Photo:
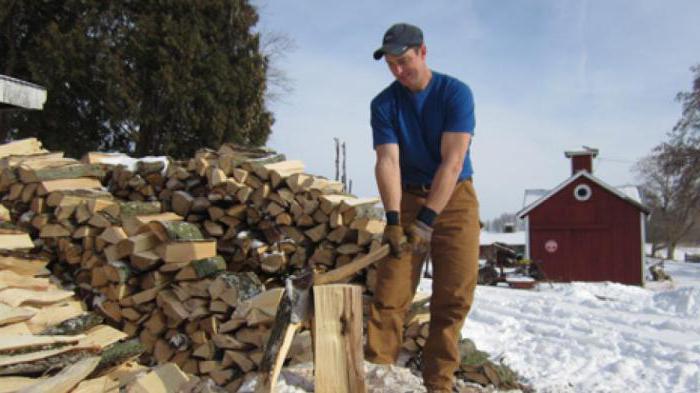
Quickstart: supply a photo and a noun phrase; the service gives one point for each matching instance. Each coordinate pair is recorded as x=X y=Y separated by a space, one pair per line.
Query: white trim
x=641 y=223
x=583 y=198
x=573 y=178
x=576 y=153
x=527 y=237
x=21 y=94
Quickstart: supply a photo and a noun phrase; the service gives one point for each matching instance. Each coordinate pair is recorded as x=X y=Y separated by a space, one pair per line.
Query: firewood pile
x=186 y=257
x=45 y=330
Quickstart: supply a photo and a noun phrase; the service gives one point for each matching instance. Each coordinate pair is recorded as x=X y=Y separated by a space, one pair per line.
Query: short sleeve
x=382 y=128
x=460 y=109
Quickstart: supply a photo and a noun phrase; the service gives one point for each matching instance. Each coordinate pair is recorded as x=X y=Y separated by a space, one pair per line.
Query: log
x=17 y=296
x=144 y=260
x=133 y=224
x=165 y=378
x=97 y=385
x=181 y=203
x=209 y=266
x=29 y=175
x=175 y=230
x=55 y=314
x=338 y=353
x=21 y=147
x=23 y=342
x=40 y=361
x=117 y=354
x=10 y=279
x=138 y=243
x=77 y=197
x=32 y=159
x=113 y=234
x=13 y=384
x=15 y=314
x=278 y=344
x=15 y=241
x=186 y=251
x=353 y=267
x=138 y=208
x=75 y=325
x=67 y=379
x=84 y=183
x=317 y=233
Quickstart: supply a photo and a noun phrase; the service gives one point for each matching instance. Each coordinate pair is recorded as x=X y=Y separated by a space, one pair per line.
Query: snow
x=130 y=162
x=513 y=239
x=595 y=337
x=631 y=191
x=532 y=195
x=678 y=254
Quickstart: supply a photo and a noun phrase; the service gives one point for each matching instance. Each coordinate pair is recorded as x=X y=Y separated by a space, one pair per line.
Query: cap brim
x=393 y=50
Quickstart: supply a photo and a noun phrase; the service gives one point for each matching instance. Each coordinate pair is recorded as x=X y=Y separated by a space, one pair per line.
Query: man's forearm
x=443 y=185
x=388 y=175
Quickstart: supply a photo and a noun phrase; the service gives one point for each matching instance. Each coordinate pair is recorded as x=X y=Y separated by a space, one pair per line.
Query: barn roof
x=628 y=193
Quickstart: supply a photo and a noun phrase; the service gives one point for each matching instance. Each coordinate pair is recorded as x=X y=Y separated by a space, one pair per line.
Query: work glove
x=395 y=237
x=419 y=235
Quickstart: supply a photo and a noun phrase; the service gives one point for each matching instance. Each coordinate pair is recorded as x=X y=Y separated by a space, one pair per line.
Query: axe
x=296 y=308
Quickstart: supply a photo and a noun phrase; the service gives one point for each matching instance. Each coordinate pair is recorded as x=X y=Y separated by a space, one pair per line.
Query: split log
x=67 y=379
x=74 y=325
x=84 y=183
x=338 y=339
x=30 y=175
x=21 y=147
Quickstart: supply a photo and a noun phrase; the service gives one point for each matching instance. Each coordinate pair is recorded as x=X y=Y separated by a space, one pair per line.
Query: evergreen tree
x=145 y=77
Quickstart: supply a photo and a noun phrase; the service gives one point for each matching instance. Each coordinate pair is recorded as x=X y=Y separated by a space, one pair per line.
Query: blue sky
x=547 y=76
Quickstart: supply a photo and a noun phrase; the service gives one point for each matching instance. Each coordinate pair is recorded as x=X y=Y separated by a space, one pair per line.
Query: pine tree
x=144 y=77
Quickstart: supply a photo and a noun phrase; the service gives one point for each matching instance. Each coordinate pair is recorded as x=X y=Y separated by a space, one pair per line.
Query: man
x=422 y=126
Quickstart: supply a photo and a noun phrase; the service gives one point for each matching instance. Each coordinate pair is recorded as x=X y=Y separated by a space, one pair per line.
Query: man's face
x=408 y=68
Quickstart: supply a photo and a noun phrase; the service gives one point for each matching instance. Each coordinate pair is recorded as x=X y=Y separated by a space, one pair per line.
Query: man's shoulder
x=450 y=83
x=386 y=96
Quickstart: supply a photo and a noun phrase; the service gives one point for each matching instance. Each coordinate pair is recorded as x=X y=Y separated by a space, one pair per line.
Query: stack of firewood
x=417 y=324
x=44 y=330
x=180 y=256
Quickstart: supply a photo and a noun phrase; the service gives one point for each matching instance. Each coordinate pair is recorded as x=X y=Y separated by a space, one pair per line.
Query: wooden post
x=338 y=354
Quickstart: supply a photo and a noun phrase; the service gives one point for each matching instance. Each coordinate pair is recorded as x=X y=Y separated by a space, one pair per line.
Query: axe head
x=298 y=291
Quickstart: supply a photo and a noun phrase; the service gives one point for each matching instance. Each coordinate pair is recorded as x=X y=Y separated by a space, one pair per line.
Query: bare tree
x=673 y=200
x=275 y=46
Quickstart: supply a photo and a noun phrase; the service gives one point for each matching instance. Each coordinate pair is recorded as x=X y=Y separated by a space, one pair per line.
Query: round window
x=582 y=192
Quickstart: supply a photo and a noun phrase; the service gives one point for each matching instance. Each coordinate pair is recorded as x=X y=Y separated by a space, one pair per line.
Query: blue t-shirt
x=416 y=121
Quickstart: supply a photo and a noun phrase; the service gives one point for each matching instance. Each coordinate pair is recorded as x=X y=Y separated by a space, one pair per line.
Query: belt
x=425 y=188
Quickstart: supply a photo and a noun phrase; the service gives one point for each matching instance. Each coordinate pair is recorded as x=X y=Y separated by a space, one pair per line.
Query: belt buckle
x=424 y=188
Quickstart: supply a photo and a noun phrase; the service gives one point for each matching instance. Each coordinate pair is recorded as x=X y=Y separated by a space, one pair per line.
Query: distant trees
x=671 y=176
x=499 y=223
x=163 y=77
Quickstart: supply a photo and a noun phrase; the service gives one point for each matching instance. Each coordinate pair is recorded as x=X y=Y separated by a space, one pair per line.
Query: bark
x=118 y=353
x=209 y=266
x=75 y=325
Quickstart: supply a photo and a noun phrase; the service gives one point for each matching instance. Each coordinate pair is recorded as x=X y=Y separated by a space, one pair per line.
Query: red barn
x=585 y=229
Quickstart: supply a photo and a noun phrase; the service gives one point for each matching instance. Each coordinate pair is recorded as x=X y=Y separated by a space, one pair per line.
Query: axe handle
x=353 y=267
x=267 y=380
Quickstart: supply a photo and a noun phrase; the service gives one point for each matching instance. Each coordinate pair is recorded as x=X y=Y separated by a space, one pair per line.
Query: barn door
x=591 y=257
x=552 y=248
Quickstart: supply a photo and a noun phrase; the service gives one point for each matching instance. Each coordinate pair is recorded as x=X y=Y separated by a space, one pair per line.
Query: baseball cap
x=398 y=39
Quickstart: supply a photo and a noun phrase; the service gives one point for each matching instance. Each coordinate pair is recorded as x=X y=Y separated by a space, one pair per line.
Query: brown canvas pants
x=454 y=253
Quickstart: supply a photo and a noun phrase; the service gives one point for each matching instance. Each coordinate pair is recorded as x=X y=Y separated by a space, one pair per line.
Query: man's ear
x=423 y=51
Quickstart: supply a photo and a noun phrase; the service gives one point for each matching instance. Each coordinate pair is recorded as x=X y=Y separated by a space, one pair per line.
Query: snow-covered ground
x=678 y=253
x=595 y=337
